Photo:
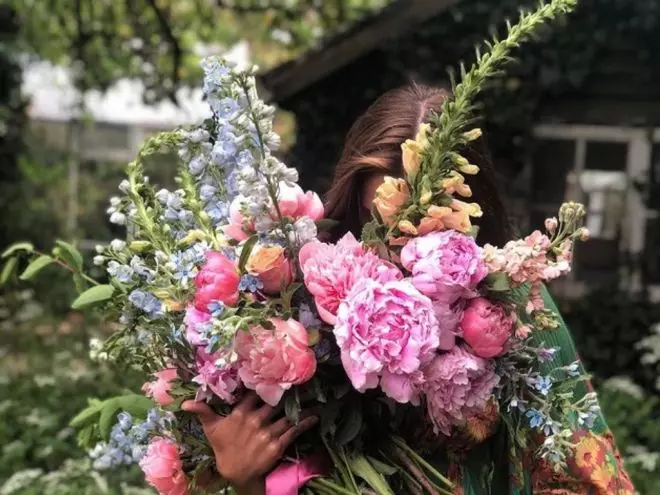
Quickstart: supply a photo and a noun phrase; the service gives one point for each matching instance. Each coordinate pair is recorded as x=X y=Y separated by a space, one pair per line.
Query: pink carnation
x=386 y=333
x=486 y=327
x=221 y=381
x=271 y=361
x=331 y=270
x=445 y=265
x=217 y=281
x=293 y=202
x=194 y=320
x=457 y=384
x=159 y=389
x=163 y=469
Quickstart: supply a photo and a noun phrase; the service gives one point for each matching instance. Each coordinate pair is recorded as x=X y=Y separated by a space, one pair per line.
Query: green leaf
x=287 y=296
x=246 y=250
x=79 y=283
x=350 y=425
x=326 y=224
x=361 y=466
x=135 y=404
x=382 y=467
x=19 y=246
x=70 y=255
x=107 y=419
x=498 y=282
x=8 y=270
x=36 y=266
x=87 y=415
x=93 y=295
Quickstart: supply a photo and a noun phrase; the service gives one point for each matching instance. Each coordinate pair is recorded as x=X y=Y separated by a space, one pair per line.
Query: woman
x=247 y=444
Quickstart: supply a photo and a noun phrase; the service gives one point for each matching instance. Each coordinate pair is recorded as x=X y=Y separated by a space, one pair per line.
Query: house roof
x=399 y=17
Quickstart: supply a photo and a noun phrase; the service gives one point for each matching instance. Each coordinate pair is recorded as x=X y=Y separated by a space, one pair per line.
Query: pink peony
x=449 y=317
x=292 y=201
x=270 y=264
x=331 y=270
x=217 y=281
x=386 y=332
x=486 y=327
x=159 y=389
x=457 y=384
x=221 y=381
x=271 y=361
x=163 y=469
x=193 y=320
x=445 y=265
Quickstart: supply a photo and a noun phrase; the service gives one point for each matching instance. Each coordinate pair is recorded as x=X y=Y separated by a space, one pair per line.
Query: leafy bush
x=46 y=377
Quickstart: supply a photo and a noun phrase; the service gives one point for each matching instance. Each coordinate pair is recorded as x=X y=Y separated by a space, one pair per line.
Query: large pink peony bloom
x=163 y=469
x=445 y=265
x=331 y=270
x=217 y=281
x=486 y=327
x=457 y=384
x=386 y=333
x=159 y=389
x=271 y=361
x=193 y=320
x=221 y=381
x=292 y=201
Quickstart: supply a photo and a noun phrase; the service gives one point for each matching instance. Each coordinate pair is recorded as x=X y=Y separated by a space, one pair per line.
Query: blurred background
x=84 y=82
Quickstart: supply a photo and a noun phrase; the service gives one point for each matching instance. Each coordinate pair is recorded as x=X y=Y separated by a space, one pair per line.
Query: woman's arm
x=596 y=466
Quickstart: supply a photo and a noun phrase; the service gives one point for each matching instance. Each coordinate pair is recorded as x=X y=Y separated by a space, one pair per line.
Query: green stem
x=71 y=269
x=400 y=443
x=325 y=484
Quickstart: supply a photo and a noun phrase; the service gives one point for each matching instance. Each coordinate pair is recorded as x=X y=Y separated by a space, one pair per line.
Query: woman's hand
x=247 y=444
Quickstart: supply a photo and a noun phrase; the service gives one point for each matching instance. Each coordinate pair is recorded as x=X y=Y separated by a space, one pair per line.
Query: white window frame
x=640 y=147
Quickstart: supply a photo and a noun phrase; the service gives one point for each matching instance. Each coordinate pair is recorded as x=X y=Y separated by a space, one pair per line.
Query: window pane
x=597 y=260
x=552 y=160
x=602 y=155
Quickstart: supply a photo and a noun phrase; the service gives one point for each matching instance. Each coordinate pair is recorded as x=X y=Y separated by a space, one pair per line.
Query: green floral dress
x=483 y=462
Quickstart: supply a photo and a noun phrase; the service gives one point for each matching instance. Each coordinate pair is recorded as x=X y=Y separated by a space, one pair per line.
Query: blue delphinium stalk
x=147 y=302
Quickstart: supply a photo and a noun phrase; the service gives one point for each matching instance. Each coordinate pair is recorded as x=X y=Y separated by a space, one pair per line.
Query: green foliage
x=46 y=376
x=93 y=295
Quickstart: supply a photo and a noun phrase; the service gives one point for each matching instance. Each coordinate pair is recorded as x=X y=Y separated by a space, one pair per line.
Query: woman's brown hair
x=373 y=146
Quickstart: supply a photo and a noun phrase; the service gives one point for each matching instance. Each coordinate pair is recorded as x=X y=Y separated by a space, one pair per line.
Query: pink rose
x=445 y=265
x=386 y=333
x=271 y=361
x=486 y=327
x=296 y=203
x=159 y=389
x=292 y=201
x=194 y=320
x=457 y=384
x=269 y=263
x=163 y=469
x=217 y=281
x=221 y=381
x=331 y=270
x=290 y=476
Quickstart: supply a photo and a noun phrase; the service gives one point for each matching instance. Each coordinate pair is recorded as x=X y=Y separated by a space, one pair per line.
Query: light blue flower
x=147 y=302
x=546 y=354
x=197 y=165
x=139 y=267
x=245 y=159
x=536 y=418
x=307 y=317
x=224 y=150
x=225 y=108
x=124 y=420
x=122 y=273
x=216 y=308
x=250 y=283
x=217 y=211
x=206 y=192
x=517 y=403
x=573 y=369
x=542 y=384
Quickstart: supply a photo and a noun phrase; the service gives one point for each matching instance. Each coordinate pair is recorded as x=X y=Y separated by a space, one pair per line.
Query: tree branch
x=177 y=52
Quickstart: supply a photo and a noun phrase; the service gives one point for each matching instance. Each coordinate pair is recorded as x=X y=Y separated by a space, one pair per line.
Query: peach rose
x=163 y=468
x=159 y=389
x=270 y=264
x=390 y=198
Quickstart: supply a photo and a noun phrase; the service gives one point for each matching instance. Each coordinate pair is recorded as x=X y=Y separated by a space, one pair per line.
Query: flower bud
x=139 y=246
x=473 y=135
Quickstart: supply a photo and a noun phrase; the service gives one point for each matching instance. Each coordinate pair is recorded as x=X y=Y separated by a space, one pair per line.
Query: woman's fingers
x=295 y=431
x=279 y=427
x=247 y=403
x=264 y=413
x=205 y=413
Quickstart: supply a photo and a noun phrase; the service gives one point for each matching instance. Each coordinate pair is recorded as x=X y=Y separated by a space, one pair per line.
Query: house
x=578 y=118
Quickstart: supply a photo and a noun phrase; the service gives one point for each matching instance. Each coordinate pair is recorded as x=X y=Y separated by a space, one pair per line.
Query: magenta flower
x=217 y=281
x=272 y=361
x=457 y=384
x=486 y=327
x=445 y=266
x=221 y=381
x=386 y=333
x=331 y=270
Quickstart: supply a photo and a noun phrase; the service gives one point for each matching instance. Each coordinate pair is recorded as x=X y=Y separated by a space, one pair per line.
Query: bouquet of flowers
x=222 y=286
